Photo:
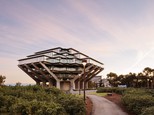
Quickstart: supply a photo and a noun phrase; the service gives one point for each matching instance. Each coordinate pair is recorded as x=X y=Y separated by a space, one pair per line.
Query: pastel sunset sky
x=118 y=33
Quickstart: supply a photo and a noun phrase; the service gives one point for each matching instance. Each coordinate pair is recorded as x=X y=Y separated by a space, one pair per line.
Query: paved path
x=102 y=106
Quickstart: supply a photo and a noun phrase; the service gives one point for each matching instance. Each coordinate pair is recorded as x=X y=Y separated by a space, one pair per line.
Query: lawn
x=98 y=94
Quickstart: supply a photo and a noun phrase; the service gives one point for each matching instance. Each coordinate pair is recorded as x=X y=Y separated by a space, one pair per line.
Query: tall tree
x=2 y=80
x=148 y=73
x=142 y=80
x=112 y=78
x=133 y=79
x=152 y=83
x=18 y=84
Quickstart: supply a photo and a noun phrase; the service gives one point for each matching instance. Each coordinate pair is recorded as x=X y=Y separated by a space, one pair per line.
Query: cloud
x=123 y=31
x=115 y=33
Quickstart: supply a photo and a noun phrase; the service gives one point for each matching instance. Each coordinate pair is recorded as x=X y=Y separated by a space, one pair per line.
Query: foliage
x=2 y=80
x=18 y=84
x=111 y=90
x=137 y=80
x=148 y=111
x=35 y=100
x=72 y=104
x=137 y=99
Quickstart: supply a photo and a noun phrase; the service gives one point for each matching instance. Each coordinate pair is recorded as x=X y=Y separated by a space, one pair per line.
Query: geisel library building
x=61 y=67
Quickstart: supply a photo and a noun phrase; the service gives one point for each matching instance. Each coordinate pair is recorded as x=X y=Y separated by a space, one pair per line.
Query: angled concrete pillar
x=44 y=84
x=26 y=71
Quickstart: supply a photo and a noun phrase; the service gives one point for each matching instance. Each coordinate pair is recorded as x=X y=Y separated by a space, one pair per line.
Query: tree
x=152 y=83
x=142 y=80
x=2 y=80
x=18 y=84
x=149 y=73
x=112 y=78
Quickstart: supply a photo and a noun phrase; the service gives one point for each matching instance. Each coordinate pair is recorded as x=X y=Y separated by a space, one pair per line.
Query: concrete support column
x=50 y=83
x=78 y=85
x=44 y=84
x=37 y=83
x=82 y=85
x=86 y=85
x=72 y=85
x=58 y=84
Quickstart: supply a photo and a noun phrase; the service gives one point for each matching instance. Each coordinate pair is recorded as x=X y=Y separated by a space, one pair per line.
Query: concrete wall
x=65 y=85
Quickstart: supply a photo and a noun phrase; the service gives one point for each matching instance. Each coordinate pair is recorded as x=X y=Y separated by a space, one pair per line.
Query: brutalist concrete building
x=61 y=67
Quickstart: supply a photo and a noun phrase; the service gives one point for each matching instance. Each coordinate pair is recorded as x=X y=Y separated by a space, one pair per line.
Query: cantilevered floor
x=60 y=67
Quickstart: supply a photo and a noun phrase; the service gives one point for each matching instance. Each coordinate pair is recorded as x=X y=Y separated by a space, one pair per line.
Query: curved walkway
x=102 y=106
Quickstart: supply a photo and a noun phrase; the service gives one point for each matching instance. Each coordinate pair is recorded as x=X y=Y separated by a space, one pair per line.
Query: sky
x=118 y=33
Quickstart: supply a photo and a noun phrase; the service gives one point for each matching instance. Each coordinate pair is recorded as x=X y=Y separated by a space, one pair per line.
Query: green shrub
x=53 y=91
x=136 y=102
x=135 y=91
x=20 y=107
x=151 y=92
x=111 y=90
x=44 y=108
x=2 y=98
x=72 y=104
x=35 y=100
x=137 y=99
x=148 y=111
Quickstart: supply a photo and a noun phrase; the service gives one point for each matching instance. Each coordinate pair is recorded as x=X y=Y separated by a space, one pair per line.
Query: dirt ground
x=88 y=106
x=116 y=98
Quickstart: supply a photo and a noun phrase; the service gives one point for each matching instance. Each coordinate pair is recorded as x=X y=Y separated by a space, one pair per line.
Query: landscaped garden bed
x=34 y=100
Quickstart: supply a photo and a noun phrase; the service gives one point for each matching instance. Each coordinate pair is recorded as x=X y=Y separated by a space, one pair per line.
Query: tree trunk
x=152 y=83
x=147 y=84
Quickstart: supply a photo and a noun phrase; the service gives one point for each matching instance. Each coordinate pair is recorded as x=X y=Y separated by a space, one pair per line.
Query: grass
x=92 y=93
x=98 y=94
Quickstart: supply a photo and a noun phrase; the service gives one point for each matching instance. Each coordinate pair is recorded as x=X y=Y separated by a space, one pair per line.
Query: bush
x=137 y=99
x=148 y=111
x=72 y=104
x=136 y=103
x=111 y=90
x=20 y=107
x=34 y=100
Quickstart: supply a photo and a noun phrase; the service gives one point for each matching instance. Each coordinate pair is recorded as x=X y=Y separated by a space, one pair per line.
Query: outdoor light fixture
x=79 y=84
x=84 y=62
x=148 y=83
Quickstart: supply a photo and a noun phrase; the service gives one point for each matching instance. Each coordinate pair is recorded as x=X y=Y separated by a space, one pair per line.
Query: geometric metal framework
x=60 y=67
